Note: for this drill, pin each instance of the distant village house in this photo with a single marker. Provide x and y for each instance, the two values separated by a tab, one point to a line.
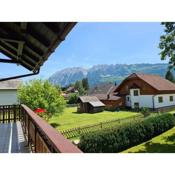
8	92
105	93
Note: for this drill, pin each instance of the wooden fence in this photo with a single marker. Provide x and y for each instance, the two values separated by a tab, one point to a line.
77	132
9	113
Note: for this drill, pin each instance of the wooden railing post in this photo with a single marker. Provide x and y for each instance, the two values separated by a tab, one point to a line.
35	144
3	114
14	112
28	132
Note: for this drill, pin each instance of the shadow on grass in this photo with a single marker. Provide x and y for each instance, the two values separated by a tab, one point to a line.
158	148
54	125
170	138
76	112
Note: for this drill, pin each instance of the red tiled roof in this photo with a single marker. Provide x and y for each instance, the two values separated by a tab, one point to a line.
157	82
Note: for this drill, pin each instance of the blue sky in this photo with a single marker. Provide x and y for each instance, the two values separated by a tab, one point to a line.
94	43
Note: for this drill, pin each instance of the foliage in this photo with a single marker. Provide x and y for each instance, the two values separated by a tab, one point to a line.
73	98
145	111
58	88
85	84
79	87
167	44
169	76
41	94
128	135
164	143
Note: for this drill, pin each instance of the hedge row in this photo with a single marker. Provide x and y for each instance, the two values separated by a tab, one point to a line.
126	136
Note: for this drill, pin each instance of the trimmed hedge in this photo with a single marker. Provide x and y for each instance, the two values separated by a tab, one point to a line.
126	136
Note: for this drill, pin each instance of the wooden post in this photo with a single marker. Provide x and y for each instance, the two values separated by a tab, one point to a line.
28	133
25	121
14	112
8	110
3	114
19	112
35	144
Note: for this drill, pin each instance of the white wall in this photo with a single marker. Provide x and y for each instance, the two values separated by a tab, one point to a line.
147	100
166	101
8	97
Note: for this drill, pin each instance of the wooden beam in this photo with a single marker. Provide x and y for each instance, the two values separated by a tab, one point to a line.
8	61
14	56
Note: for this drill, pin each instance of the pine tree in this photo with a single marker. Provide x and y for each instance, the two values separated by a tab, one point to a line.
78	86
85	84
169	76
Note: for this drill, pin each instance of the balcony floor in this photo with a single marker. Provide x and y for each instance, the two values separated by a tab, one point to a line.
12	139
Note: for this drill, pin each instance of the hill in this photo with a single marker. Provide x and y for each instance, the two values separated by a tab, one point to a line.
105	73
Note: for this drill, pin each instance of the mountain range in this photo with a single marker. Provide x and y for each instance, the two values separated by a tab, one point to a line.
105	73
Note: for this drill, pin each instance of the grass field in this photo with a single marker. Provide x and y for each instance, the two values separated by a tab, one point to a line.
71	119
164	143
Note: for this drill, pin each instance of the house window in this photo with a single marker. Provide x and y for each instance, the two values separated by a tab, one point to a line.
128	98
136	105
171	98
160	99
136	92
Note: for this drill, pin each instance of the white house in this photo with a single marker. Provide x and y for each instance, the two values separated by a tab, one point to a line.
144	90
8	92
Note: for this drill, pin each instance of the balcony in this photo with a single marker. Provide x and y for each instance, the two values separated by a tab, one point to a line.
23	131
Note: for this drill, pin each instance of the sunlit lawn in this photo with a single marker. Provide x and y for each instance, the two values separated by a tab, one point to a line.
71	119
164	143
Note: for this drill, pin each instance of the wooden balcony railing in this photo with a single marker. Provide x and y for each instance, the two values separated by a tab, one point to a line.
41	137
10	113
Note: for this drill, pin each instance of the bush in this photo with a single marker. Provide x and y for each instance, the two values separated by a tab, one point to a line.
73	98
41	94
126	136
145	112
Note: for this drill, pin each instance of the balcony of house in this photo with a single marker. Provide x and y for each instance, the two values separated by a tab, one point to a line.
23	131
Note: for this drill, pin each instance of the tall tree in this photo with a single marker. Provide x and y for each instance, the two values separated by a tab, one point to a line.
85	84
169	76
79	87
167	43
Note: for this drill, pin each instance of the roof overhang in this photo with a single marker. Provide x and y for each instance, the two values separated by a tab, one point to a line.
29	44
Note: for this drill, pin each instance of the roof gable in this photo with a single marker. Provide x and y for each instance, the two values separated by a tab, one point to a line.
155	81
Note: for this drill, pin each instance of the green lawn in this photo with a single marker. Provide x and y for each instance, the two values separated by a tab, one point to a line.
164	143
71	119
172	112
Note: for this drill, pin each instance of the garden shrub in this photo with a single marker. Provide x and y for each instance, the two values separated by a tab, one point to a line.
145	111
73	98
127	135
